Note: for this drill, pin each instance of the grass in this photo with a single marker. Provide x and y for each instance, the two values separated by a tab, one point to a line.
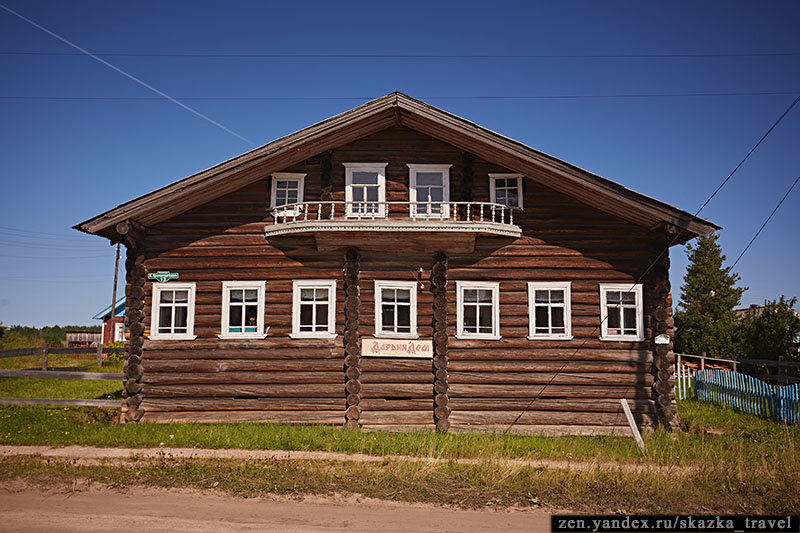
732	462
60	388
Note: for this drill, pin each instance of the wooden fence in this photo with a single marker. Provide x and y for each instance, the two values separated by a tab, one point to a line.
748	394
46	350
684	382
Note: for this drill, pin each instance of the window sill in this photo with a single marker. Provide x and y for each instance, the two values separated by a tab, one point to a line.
543	338
172	337
629	338
312	335
396	336
478	337
233	336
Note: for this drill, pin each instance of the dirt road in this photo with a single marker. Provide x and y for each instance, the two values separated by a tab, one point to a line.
95	508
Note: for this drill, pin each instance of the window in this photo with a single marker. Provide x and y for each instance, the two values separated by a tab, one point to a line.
506	189
287	188
119	332
365	189
173	311
396	309
429	191
478	310
314	309
621	312
549	310
242	310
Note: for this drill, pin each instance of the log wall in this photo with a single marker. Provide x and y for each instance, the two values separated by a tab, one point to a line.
470	383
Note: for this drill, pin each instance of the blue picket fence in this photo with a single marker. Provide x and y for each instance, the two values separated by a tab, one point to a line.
748	394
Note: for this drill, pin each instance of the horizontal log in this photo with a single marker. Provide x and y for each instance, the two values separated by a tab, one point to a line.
396	417
398	377
19	352
374	364
381	404
603	405
547	417
286	377
569	365
397	391
239	344
297	417
242	365
472	390
556	378
60	374
242	404
246	391
60	401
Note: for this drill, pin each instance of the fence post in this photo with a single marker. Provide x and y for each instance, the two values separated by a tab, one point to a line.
703	362
100	354
44	356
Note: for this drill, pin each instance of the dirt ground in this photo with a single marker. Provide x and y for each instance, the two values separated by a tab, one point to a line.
96	508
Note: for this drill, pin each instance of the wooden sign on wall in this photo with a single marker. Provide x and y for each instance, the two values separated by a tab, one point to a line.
397	348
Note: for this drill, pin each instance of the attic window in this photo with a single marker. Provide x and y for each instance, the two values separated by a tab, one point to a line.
506	189
287	189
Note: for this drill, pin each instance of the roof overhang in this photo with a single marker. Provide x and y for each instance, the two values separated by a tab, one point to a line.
374	116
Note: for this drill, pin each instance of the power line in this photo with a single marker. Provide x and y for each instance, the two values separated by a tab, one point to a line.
127	75
658	257
765	222
425	97
203	55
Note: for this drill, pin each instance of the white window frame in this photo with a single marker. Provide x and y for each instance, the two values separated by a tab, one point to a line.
565	286
623	287
494	286
297	285
413	170
155	308
380	169
259	333
119	331
404	285
300	178
493	191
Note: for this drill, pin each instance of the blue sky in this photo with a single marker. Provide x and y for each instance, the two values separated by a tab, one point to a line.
62	162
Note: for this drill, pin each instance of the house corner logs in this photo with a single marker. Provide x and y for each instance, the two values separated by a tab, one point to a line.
441	411
660	322
135	275
352	350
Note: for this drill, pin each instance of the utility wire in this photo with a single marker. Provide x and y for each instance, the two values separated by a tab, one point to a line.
408	56
765	222
653	263
428	97
127	75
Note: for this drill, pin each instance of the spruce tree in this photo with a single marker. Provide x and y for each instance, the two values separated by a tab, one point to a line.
705	321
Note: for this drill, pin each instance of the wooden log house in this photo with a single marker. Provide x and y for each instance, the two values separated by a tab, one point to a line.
396	265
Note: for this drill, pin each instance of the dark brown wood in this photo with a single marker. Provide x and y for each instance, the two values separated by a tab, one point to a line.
351	340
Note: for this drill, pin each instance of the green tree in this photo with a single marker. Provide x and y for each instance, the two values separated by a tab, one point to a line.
771	331
705	321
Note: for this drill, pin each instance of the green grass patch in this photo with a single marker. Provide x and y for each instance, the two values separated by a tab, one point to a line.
713	435
60	388
706	490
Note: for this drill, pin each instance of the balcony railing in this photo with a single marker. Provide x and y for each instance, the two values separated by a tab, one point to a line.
393	216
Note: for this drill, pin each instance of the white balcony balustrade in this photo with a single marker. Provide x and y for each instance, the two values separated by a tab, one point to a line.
436	217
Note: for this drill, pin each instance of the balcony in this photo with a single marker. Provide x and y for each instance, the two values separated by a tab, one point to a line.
368	223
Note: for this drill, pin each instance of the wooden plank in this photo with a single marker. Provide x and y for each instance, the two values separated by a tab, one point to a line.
60	374
19	352
335	417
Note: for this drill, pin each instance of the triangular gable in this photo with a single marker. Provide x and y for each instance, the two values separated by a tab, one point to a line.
374	116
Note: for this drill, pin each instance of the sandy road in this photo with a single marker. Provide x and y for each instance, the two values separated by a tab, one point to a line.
95	508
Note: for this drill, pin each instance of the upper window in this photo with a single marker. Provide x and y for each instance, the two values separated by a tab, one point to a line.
506	189
478	310
314	308
621	312
396	309
429	191
549	310
287	188
365	189
242	310
173	311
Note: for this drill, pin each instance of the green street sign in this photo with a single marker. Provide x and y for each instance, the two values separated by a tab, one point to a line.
162	276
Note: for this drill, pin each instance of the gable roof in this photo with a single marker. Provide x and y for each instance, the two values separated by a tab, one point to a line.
376	115
119	310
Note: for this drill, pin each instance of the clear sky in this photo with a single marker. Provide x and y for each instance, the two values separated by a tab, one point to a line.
63	161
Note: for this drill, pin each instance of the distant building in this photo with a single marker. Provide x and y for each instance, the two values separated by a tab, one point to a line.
757	309
115	332
82	339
